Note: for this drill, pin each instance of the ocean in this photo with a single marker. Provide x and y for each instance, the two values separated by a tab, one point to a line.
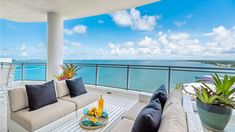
140	79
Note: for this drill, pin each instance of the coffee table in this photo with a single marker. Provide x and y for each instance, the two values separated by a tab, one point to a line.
115	113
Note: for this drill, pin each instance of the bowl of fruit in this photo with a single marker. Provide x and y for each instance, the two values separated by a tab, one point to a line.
93	118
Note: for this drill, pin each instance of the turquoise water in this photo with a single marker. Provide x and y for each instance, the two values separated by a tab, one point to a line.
140	79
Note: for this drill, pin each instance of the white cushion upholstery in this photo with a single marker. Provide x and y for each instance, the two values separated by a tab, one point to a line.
175	96
18	99
62	89
173	119
82	100
125	125
33	120
134	111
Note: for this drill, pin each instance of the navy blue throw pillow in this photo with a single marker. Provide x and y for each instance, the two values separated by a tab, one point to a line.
149	118
76	87
41	95
161	94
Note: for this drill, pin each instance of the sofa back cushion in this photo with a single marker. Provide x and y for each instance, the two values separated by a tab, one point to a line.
62	89
76	87
161	94
18	99
41	95
149	118
173	119
175	96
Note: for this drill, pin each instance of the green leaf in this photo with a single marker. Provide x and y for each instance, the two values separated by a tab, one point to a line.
231	92
207	87
212	99
229	84
205	94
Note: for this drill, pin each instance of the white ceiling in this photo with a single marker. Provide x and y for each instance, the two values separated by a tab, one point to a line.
36	10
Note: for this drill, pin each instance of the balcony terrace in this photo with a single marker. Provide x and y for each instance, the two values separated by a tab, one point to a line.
125	94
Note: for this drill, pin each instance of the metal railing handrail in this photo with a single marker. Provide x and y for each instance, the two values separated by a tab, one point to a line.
132	66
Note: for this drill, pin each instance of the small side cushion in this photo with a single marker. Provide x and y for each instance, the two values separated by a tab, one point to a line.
133	112
41	95
82	100
124	125
149	118
76	87
62	89
33	120
161	94
173	119
18	99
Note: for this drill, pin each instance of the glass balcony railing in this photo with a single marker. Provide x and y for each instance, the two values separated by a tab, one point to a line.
131	77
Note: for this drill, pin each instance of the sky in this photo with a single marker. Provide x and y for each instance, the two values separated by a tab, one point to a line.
169	29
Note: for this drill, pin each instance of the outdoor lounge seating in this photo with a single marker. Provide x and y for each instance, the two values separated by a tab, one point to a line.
53	115
80	101
34	120
21	119
173	117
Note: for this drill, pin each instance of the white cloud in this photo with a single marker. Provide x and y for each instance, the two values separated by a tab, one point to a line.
221	40
72	43
147	42
24	54
23	50
78	29
178	36
189	16
23	47
220	43
134	20
40	45
183	22
179	23
68	31
32	51
122	49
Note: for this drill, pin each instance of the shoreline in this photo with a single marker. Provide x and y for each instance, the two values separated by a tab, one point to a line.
220	63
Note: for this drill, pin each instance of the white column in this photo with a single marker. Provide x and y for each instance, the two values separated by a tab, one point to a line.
54	44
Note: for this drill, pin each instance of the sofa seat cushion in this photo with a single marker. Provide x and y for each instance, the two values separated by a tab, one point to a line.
134	111
124	125
82	100
33	120
173	119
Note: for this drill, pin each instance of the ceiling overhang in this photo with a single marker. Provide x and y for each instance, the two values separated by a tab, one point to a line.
36	10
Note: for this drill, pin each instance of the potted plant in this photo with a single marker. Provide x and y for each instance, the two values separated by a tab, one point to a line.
215	106
68	72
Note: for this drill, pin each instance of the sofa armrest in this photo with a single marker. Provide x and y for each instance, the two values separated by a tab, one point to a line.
144	97
187	104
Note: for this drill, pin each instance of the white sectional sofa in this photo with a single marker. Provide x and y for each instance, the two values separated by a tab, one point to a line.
46	118
173	116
